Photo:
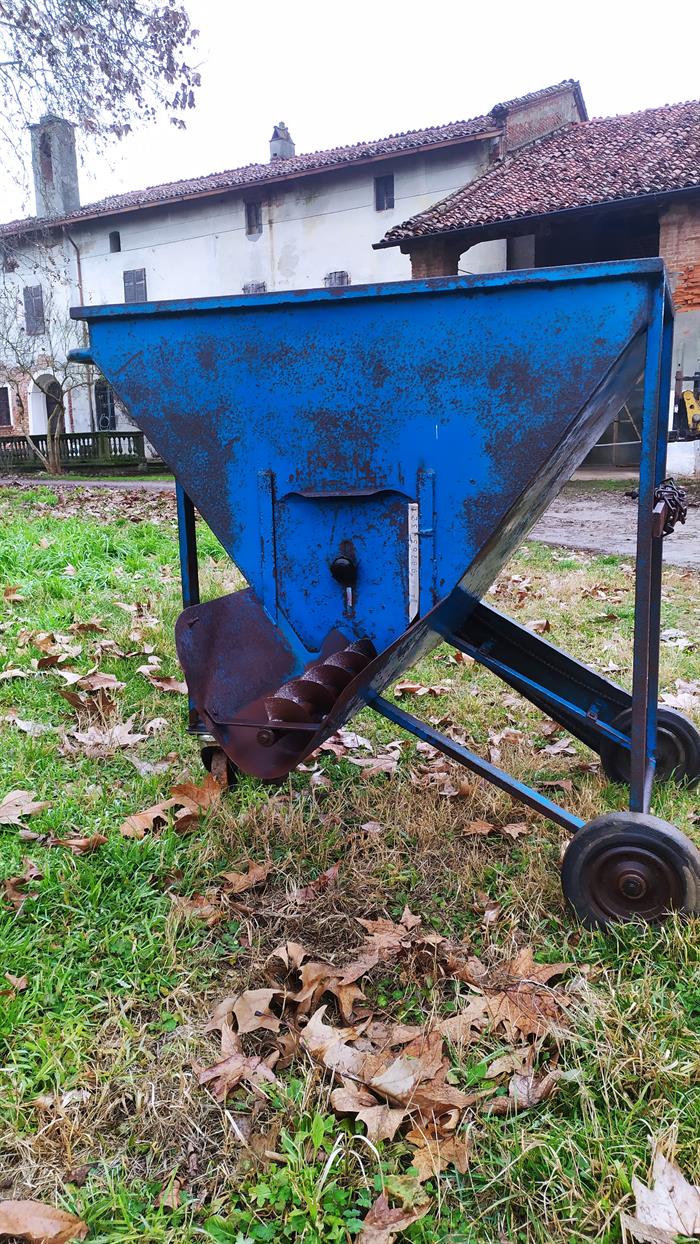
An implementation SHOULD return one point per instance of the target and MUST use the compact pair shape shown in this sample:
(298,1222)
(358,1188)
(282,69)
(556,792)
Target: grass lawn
(101,1111)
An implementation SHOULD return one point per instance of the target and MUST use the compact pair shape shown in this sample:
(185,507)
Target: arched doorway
(45,395)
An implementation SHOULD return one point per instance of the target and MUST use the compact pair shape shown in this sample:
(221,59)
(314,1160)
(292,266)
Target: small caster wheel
(627,866)
(217,763)
(677,749)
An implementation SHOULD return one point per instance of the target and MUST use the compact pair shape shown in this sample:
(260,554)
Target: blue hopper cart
(370,458)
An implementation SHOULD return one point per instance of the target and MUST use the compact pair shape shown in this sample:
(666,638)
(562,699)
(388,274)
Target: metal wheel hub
(627,881)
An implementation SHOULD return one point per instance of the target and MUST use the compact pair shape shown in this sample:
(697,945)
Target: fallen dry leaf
(6,675)
(669,1207)
(383,1223)
(516,829)
(199,907)
(163,684)
(75,843)
(100,682)
(251,1010)
(139,823)
(382,1121)
(418,689)
(303,894)
(13,593)
(99,741)
(199,798)
(527,1089)
(32,728)
(231,1071)
(255,874)
(19,803)
(480,829)
(15,887)
(40,1224)
(18,983)
(435,1152)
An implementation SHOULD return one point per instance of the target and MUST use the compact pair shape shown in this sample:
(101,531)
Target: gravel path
(605,522)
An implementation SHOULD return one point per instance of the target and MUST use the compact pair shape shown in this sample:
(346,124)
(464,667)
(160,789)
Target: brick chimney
(54,166)
(281,145)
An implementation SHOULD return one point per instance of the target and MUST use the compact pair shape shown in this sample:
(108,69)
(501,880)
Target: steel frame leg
(189,574)
(647,605)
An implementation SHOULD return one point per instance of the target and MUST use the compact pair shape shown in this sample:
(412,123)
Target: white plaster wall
(317,225)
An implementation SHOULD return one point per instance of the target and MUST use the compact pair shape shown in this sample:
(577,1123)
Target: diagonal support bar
(581,700)
(497,777)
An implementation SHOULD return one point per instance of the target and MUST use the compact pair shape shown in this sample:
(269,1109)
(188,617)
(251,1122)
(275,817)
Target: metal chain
(674,497)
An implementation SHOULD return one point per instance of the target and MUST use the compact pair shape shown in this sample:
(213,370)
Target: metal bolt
(633,886)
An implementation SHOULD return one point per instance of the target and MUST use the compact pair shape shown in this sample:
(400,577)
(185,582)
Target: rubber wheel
(677,749)
(630,866)
(217,762)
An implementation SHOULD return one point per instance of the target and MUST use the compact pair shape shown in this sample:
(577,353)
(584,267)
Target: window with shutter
(34,310)
(5,408)
(384,192)
(135,285)
(253,219)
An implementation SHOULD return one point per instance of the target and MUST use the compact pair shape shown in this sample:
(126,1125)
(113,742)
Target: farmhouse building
(624,187)
(296,221)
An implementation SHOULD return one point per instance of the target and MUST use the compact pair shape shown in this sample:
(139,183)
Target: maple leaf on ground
(164,684)
(255,874)
(18,983)
(668,1208)
(99,741)
(515,830)
(78,845)
(100,682)
(15,886)
(251,1009)
(199,907)
(139,823)
(40,1224)
(199,798)
(32,728)
(382,1121)
(528,1089)
(304,894)
(19,803)
(233,1070)
(382,1223)
(329,1046)
(435,1152)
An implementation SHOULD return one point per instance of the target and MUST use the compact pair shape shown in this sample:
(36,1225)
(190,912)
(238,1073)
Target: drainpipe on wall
(79,275)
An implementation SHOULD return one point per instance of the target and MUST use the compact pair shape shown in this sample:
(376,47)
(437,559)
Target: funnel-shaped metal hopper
(369,458)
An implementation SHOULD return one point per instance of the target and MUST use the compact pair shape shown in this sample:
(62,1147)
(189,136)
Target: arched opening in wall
(105,413)
(44,396)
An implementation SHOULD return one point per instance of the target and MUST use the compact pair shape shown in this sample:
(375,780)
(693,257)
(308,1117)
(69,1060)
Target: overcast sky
(339,73)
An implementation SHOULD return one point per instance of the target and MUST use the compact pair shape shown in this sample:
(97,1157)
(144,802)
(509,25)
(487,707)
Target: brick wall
(679,246)
(435,257)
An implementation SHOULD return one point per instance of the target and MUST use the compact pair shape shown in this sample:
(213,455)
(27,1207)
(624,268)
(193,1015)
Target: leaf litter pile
(313,1012)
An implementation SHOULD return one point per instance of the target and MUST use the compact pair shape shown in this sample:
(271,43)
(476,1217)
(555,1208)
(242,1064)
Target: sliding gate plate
(376,536)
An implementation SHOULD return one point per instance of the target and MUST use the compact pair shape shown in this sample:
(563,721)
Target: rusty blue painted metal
(413,432)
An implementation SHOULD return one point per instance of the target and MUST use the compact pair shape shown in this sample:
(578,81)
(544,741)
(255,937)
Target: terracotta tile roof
(251,175)
(588,162)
